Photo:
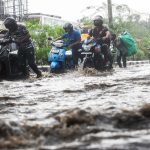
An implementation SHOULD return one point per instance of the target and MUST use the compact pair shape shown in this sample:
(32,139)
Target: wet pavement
(77,110)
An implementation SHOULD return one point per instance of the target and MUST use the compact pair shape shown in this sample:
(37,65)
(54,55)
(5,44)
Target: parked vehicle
(9,65)
(93,57)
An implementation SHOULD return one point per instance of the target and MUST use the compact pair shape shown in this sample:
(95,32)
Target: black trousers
(26,57)
(107,54)
(75,56)
(122,58)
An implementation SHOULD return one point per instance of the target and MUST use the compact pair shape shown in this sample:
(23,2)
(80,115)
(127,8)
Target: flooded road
(77,111)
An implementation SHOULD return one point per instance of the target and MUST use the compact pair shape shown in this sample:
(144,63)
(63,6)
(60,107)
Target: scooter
(56,56)
(59,57)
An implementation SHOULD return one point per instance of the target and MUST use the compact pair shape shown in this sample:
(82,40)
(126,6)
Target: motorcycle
(59,58)
(9,65)
(93,57)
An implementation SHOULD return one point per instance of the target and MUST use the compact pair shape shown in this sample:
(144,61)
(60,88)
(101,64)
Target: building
(18,9)
(46,19)
(13,8)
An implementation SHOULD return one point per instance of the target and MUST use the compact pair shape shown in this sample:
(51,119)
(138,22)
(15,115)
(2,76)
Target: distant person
(73,38)
(102,36)
(122,52)
(25,47)
(113,48)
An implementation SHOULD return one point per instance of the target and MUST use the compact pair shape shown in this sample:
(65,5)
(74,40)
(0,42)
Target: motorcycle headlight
(54,50)
(84,47)
(87,47)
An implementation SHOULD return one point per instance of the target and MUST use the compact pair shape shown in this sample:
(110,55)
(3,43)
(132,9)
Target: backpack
(128,41)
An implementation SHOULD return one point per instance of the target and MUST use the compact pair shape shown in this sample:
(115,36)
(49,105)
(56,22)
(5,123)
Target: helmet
(68,27)
(10,24)
(98,20)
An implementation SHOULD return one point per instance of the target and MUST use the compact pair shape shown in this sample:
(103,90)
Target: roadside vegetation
(40,34)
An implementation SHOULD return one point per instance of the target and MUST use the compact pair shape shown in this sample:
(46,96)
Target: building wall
(52,21)
(13,8)
(47,19)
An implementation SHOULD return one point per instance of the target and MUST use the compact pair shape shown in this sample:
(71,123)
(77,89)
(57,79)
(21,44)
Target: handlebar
(59,44)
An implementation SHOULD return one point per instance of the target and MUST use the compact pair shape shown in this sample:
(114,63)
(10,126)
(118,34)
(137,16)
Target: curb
(138,62)
(46,68)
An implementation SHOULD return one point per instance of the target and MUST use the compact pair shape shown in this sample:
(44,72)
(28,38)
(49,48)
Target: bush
(39,34)
(140,55)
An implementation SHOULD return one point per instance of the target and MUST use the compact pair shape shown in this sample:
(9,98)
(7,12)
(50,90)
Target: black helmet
(10,24)
(68,27)
(98,20)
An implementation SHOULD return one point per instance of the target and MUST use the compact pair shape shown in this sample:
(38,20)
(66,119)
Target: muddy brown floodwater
(77,111)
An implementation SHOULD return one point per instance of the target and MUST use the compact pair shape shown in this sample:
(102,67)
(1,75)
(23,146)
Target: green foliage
(140,55)
(39,34)
(138,29)
(86,22)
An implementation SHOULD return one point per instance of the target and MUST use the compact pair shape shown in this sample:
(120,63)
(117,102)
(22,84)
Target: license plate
(86,53)
(14,52)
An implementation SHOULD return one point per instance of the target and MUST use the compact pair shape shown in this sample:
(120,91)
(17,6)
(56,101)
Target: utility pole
(14,9)
(110,18)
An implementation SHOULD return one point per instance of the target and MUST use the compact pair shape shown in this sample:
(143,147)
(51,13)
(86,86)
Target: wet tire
(99,62)
(88,63)
(52,71)
(15,68)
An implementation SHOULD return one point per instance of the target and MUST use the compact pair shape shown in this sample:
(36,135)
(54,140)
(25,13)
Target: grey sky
(73,9)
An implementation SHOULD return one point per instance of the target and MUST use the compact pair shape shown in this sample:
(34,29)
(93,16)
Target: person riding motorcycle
(101,35)
(21,36)
(73,38)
